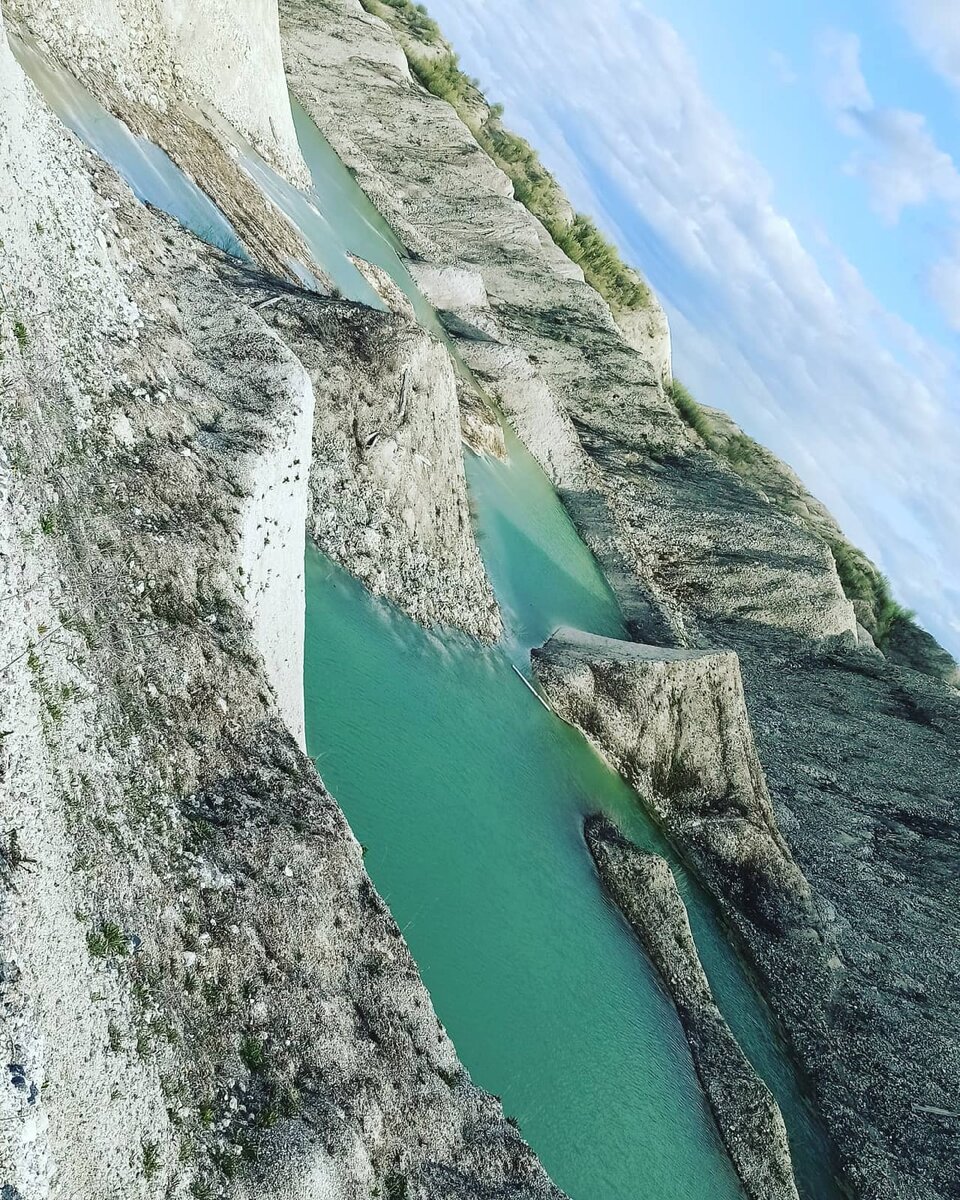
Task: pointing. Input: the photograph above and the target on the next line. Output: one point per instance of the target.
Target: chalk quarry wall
(158, 51)
(201, 991)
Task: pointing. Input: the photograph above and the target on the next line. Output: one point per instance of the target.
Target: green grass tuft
(692, 414)
(108, 940)
(252, 1053)
(151, 1159)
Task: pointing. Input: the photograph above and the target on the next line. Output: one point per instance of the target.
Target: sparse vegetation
(20, 333)
(862, 581)
(12, 857)
(533, 185)
(692, 413)
(150, 1159)
(859, 577)
(252, 1053)
(395, 1186)
(413, 17)
(108, 940)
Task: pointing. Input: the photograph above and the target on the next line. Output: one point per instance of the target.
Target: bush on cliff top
(533, 185)
(862, 581)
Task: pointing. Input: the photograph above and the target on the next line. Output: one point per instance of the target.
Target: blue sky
(787, 175)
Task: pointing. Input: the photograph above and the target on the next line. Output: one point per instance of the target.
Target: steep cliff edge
(850, 964)
(674, 723)
(860, 754)
(202, 994)
(387, 495)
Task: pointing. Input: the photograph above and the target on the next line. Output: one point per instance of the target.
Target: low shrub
(692, 414)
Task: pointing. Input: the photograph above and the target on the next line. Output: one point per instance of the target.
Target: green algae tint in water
(470, 797)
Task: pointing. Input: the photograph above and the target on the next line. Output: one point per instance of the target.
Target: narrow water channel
(470, 795)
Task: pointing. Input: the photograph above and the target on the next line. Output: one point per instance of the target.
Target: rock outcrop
(674, 723)
(747, 1115)
(165, 54)
(909, 646)
(388, 495)
(648, 332)
(201, 991)
(132, 73)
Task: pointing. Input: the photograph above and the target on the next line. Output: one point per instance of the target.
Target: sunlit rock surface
(202, 993)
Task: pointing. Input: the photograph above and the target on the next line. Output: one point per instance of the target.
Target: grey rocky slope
(202, 993)
(674, 723)
(747, 1115)
(860, 754)
(880, 619)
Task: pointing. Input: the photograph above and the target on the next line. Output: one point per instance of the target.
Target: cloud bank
(934, 26)
(793, 346)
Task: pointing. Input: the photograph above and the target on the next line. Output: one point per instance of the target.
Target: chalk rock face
(748, 1117)
(388, 494)
(648, 332)
(161, 53)
(454, 289)
(674, 723)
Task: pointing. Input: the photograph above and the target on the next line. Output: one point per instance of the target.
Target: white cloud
(934, 26)
(904, 167)
(611, 95)
(900, 162)
(783, 68)
(842, 83)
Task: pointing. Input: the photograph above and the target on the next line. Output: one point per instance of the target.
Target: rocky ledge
(675, 725)
(748, 1117)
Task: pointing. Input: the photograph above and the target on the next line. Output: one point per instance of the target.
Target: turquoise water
(152, 177)
(470, 795)
(359, 224)
(471, 798)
